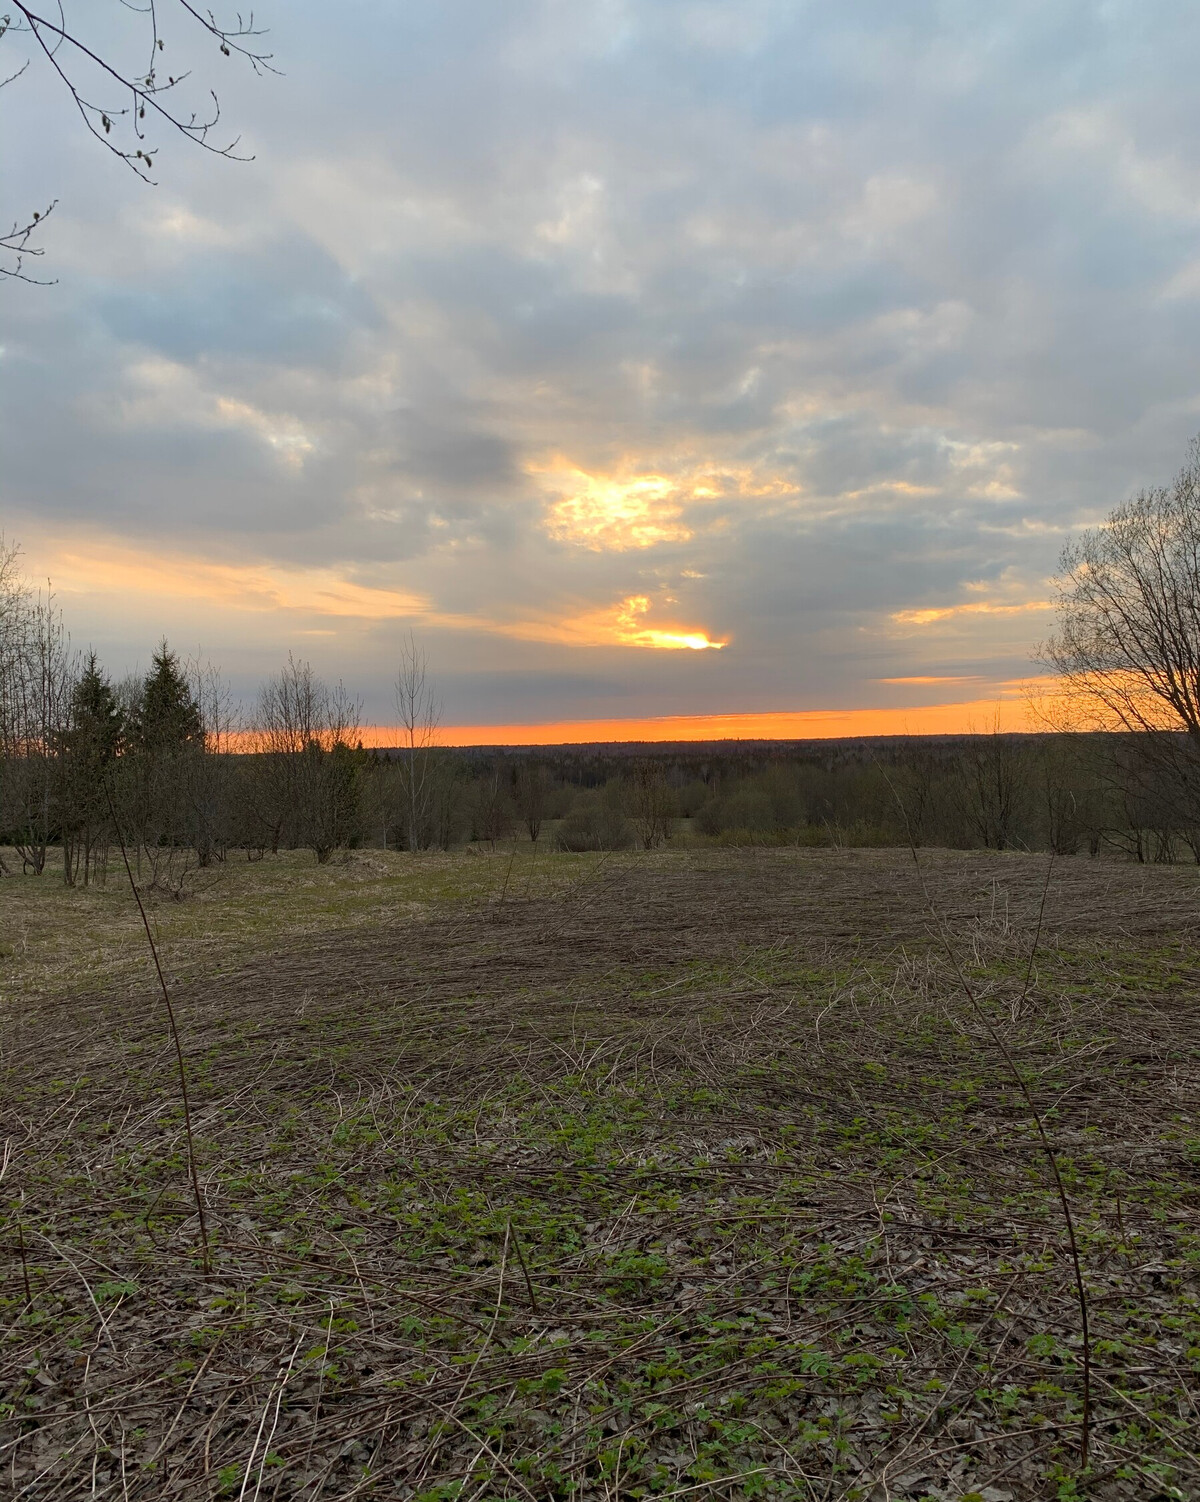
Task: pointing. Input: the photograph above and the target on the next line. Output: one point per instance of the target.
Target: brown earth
(705, 1175)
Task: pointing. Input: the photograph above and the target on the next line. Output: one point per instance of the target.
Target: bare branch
(62, 47)
(118, 104)
(16, 246)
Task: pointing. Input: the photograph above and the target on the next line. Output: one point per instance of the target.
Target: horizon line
(782, 725)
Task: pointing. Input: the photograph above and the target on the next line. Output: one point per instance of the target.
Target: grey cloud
(286, 303)
(514, 696)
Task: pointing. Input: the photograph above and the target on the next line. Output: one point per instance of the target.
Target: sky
(673, 366)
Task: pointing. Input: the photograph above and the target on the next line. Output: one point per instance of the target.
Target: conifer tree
(90, 745)
(97, 722)
(169, 718)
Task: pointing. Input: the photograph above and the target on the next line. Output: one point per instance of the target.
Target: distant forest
(1074, 794)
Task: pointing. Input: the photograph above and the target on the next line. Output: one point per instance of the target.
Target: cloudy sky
(648, 358)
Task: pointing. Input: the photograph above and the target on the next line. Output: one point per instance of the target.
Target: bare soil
(694, 1173)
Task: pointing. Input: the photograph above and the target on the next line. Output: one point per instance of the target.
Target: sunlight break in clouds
(640, 508)
(619, 625)
(630, 631)
(608, 514)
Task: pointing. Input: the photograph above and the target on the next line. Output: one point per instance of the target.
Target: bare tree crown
(1127, 638)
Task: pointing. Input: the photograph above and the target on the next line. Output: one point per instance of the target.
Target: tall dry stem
(174, 1031)
(1035, 1115)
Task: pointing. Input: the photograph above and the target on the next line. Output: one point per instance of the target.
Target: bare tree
(15, 245)
(126, 101)
(36, 682)
(287, 718)
(14, 599)
(1126, 646)
(208, 774)
(420, 714)
(650, 803)
(533, 792)
(990, 787)
(493, 812)
(307, 774)
(333, 777)
(915, 782)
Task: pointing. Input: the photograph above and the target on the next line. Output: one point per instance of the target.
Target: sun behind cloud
(632, 633)
(639, 506)
(606, 513)
(620, 625)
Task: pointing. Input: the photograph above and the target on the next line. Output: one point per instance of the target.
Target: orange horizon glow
(782, 725)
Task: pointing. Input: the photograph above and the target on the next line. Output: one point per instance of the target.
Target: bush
(596, 822)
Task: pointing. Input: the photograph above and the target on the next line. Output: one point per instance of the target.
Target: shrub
(596, 822)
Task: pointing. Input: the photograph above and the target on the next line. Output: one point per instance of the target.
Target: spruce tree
(97, 724)
(90, 745)
(169, 718)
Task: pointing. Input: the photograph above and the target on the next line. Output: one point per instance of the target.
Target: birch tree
(420, 714)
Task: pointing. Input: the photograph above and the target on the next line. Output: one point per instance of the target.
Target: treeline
(162, 764)
(1125, 795)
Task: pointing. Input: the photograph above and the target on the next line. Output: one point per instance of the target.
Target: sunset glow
(127, 574)
(974, 717)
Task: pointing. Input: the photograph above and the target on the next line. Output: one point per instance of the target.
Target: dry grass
(53, 937)
(692, 1176)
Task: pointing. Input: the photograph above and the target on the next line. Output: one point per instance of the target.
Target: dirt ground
(696, 1173)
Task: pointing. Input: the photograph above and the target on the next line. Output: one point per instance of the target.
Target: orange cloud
(977, 607)
(323, 592)
(257, 587)
(619, 625)
(925, 678)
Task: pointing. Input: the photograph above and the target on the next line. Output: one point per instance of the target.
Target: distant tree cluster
(158, 761)
(166, 764)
